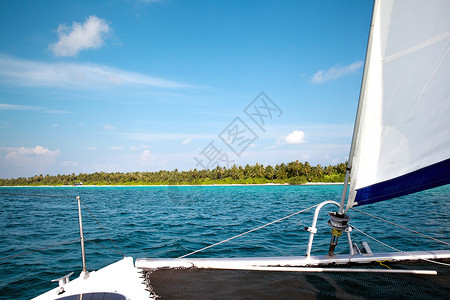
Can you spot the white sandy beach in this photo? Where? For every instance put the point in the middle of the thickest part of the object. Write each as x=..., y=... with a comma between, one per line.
x=178, y=185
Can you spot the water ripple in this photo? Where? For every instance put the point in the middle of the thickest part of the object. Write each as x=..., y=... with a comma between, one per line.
x=173, y=221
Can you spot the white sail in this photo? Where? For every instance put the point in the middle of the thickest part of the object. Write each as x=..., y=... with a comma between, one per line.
x=401, y=142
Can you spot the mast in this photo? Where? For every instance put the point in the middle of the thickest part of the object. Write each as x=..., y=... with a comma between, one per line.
x=358, y=112
x=338, y=220
x=84, y=274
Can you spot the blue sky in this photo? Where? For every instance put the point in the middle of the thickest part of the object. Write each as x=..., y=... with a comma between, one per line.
x=121, y=86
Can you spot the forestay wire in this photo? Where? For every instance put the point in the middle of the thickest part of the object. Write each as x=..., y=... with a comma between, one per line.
x=416, y=232
x=63, y=243
x=92, y=215
x=41, y=249
x=31, y=195
x=254, y=229
x=398, y=250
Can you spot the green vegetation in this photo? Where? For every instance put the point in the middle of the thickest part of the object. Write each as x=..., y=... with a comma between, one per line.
x=292, y=173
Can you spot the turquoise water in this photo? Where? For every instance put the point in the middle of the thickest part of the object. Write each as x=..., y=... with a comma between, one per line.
x=173, y=221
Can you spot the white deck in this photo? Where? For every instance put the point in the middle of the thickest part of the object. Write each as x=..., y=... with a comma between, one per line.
x=123, y=277
x=297, y=261
x=120, y=277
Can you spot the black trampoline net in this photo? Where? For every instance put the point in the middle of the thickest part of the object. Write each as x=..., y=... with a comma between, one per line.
x=195, y=283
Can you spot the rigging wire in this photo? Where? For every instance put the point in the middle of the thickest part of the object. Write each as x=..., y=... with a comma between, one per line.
x=430, y=237
x=70, y=197
x=32, y=195
x=398, y=250
x=41, y=249
x=92, y=242
x=102, y=228
x=254, y=229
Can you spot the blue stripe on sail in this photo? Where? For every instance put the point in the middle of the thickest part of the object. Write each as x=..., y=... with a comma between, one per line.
x=419, y=180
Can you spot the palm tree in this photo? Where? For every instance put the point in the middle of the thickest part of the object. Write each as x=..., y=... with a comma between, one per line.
x=270, y=172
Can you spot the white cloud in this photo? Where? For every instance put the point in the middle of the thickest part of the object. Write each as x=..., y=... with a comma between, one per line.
x=186, y=141
x=27, y=161
x=21, y=72
x=336, y=72
x=17, y=107
x=305, y=157
x=69, y=163
x=22, y=156
x=146, y=157
x=134, y=148
x=295, y=137
x=146, y=154
x=4, y=124
x=151, y=137
x=4, y=106
x=116, y=148
x=108, y=127
x=57, y=112
x=91, y=148
x=89, y=35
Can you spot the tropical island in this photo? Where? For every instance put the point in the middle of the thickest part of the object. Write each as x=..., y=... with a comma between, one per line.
x=291, y=173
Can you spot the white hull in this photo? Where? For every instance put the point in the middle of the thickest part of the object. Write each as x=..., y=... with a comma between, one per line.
x=291, y=261
x=120, y=277
x=123, y=277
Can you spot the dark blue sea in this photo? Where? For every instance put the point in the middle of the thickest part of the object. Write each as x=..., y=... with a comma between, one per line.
x=172, y=221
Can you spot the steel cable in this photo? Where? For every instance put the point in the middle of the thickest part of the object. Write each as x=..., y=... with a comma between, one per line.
x=254, y=229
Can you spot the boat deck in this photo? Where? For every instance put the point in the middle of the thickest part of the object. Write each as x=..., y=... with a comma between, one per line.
x=198, y=283
x=315, y=277
x=320, y=277
x=299, y=261
x=120, y=280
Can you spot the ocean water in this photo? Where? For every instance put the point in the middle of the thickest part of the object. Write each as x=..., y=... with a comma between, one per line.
x=173, y=221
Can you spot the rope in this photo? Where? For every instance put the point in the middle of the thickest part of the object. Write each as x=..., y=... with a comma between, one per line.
x=398, y=250
x=71, y=197
x=120, y=252
x=31, y=195
x=430, y=237
x=103, y=246
x=381, y=263
x=37, y=250
x=254, y=229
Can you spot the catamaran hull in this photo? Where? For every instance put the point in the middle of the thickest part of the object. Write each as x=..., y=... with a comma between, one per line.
x=292, y=261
